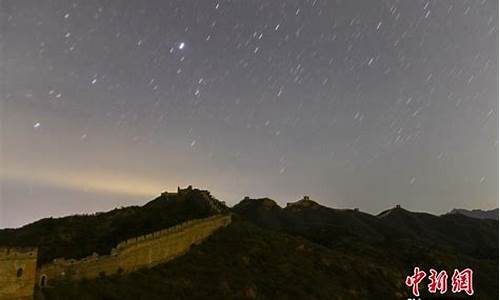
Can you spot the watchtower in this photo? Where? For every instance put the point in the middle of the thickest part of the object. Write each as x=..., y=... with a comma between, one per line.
x=17, y=272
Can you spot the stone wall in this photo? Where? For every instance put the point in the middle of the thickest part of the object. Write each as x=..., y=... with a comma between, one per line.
x=130, y=255
x=17, y=273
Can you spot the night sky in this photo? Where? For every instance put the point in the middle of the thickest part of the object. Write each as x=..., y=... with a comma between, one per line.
x=355, y=103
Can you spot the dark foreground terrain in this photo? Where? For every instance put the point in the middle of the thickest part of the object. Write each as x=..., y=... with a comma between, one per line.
x=302, y=251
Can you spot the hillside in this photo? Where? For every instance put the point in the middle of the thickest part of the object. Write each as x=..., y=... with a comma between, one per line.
x=396, y=237
x=477, y=213
x=244, y=261
x=458, y=233
x=303, y=251
x=81, y=235
x=344, y=228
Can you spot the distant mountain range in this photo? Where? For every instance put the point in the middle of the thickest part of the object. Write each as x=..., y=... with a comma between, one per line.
x=302, y=251
x=477, y=213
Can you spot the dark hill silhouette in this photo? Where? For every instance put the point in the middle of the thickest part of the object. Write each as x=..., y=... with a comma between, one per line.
x=391, y=228
x=478, y=238
x=310, y=219
x=81, y=235
x=264, y=212
x=303, y=251
x=477, y=213
x=244, y=261
x=396, y=237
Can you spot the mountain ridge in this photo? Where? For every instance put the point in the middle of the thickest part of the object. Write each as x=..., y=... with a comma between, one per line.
x=100, y=232
x=477, y=213
x=345, y=252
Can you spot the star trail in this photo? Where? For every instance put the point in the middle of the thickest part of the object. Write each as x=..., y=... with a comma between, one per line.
x=356, y=103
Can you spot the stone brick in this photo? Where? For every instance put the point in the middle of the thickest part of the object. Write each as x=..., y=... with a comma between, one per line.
x=132, y=254
x=17, y=273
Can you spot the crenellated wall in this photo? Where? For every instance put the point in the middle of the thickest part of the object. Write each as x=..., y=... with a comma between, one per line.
x=17, y=273
x=130, y=255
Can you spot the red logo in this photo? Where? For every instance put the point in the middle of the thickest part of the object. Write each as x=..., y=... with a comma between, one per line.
x=413, y=281
x=439, y=282
x=461, y=281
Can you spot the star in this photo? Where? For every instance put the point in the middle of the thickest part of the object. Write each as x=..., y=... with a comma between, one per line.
x=318, y=91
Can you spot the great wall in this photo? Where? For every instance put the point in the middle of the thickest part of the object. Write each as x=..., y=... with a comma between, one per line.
x=19, y=274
